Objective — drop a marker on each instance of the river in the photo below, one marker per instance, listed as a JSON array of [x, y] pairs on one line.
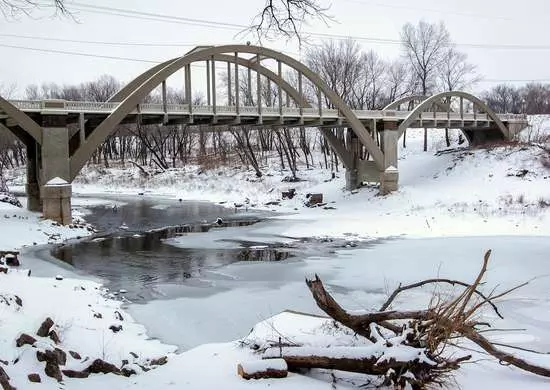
[[203, 283]]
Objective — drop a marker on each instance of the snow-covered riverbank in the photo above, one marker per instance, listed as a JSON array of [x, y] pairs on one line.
[[497, 191]]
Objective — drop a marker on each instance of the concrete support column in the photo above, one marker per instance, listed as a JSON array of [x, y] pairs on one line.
[[389, 178], [55, 176], [389, 145], [57, 201], [55, 148], [352, 172], [33, 186]]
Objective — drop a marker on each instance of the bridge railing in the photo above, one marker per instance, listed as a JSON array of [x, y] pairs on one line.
[[90, 106], [312, 112], [27, 104]]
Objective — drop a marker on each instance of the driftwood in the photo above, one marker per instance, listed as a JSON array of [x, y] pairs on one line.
[[423, 372], [263, 370], [429, 331]]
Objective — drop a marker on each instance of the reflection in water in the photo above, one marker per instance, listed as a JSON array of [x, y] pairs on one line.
[[140, 263], [137, 260], [145, 214]]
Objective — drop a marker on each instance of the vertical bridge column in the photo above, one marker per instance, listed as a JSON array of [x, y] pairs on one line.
[[352, 149], [56, 189], [390, 176], [32, 187]]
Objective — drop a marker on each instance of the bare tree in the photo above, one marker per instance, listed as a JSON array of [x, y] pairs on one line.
[[504, 99], [425, 46], [7, 90], [398, 80], [535, 99], [455, 73], [101, 89], [373, 70], [339, 64], [286, 17], [15, 8]]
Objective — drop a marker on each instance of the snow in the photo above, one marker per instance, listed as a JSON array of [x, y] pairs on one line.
[[455, 205], [71, 303], [57, 181], [21, 228]]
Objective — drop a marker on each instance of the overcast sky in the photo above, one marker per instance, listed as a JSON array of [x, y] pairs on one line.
[[486, 23]]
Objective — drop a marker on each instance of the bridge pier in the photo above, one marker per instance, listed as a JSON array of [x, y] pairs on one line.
[[55, 175], [57, 201], [389, 178], [32, 187], [353, 180], [366, 170]]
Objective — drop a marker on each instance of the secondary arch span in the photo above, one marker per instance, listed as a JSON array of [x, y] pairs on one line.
[[412, 98], [413, 116], [151, 79]]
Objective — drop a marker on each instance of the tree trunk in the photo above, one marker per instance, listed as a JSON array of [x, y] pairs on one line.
[[425, 139]]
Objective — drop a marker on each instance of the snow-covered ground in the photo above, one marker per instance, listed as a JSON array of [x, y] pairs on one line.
[[487, 192], [502, 190], [20, 228]]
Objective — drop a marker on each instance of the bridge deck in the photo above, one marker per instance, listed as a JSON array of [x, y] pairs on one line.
[[285, 116]]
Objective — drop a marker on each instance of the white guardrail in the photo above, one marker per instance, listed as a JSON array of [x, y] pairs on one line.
[[160, 109]]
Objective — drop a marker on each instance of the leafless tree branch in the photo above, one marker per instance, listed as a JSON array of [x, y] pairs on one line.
[[286, 18], [16, 8]]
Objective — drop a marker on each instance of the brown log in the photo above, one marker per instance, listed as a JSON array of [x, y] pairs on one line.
[[264, 373], [423, 372], [366, 365]]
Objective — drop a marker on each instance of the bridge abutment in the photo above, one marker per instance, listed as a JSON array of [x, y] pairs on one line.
[[514, 128], [56, 190]]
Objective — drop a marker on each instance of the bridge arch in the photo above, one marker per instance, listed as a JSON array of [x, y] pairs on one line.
[[333, 141], [406, 99], [412, 98], [22, 119], [427, 103], [133, 94]]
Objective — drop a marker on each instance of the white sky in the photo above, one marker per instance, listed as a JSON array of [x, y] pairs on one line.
[[487, 22]]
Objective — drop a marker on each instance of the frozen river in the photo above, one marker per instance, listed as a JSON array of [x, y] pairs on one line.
[[198, 288]]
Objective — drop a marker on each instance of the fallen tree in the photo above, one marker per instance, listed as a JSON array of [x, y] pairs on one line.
[[407, 347]]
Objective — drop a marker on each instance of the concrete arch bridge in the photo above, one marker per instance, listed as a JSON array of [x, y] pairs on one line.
[[61, 136]]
